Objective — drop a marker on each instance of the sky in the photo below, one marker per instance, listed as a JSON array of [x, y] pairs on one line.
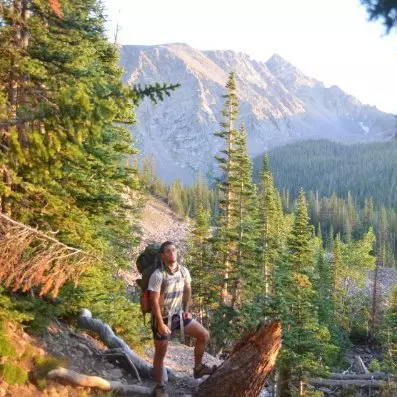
[[329, 40]]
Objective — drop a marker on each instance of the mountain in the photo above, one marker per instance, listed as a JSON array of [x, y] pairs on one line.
[[278, 105]]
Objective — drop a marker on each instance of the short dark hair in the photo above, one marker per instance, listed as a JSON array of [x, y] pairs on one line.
[[165, 245]]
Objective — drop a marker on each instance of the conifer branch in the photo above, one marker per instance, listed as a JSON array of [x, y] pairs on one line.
[[154, 91]]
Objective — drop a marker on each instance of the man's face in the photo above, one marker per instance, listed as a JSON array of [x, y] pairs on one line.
[[169, 254]]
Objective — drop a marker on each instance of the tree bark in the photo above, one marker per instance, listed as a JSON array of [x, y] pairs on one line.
[[244, 373]]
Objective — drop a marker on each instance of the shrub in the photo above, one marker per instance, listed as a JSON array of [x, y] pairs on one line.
[[374, 366], [6, 348], [13, 374]]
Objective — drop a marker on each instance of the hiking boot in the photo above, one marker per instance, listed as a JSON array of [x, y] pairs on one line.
[[203, 369], [159, 391]]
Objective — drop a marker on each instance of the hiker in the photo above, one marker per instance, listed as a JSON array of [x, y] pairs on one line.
[[170, 294]]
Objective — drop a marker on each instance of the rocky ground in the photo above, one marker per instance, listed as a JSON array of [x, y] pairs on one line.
[[84, 354]]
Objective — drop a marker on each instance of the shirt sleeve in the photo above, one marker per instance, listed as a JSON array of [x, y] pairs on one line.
[[155, 282], [188, 277]]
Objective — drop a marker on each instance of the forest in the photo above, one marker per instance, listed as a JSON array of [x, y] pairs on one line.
[[292, 239]]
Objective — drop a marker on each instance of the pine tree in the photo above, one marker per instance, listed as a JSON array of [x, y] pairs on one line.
[[65, 164], [271, 221], [245, 273], [224, 246], [199, 261], [389, 334], [304, 340]]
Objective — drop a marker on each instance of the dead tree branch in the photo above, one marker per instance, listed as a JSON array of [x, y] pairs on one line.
[[30, 258]]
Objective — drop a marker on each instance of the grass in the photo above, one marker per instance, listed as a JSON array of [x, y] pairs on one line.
[[13, 374]]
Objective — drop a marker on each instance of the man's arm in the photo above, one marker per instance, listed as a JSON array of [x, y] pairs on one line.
[[155, 304], [187, 294]]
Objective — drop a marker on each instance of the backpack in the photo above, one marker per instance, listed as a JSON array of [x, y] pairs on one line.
[[147, 263]]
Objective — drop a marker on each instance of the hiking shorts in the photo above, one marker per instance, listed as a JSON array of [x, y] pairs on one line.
[[175, 325]]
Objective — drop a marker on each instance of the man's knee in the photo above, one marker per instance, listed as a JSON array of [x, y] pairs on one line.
[[204, 335], [160, 350]]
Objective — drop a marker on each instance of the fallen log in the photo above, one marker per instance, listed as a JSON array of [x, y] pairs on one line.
[[244, 373], [371, 375], [112, 341], [362, 369], [97, 382], [346, 382]]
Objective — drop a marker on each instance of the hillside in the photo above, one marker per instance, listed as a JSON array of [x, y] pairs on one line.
[[159, 223], [366, 170]]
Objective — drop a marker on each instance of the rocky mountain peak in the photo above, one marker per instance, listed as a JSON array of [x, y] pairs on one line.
[[278, 104]]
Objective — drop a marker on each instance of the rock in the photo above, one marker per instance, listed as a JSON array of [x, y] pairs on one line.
[[114, 374]]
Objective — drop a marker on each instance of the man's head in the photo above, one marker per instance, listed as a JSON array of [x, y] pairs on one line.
[[168, 253]]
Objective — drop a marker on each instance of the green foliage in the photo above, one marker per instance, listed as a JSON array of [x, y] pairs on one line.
[[77, 150], [374, 365], [107, 298], [154, 91], [389, 334], [352, 262], [199, 262], [38, 312], [9, 310], [307, 344], [7, 349], [13, 374]]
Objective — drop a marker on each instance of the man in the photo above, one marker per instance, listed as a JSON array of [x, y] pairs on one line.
[[170, 294]]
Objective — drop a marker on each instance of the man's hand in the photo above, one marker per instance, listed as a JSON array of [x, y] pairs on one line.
[[187, 316], [163, 330]]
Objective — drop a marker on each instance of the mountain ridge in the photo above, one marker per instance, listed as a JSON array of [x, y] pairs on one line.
[[278, 104]]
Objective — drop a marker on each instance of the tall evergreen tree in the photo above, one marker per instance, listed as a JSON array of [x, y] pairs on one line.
[[64, 157], [304, 340], [271, 224], [225, 246], [244, 222], [200, 264]]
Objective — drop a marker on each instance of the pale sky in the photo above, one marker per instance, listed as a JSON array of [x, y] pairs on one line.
[[330, 40]]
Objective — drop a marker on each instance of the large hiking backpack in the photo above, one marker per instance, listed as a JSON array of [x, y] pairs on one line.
[[148, 261]]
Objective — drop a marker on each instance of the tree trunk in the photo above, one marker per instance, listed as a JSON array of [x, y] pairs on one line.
[[362, 369], [244, 373], [284, 382], [22, 94], [347, 382], [98, 382], [375, 303]]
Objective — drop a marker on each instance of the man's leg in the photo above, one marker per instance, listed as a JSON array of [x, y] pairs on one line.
[[196, 330], [160, 349]]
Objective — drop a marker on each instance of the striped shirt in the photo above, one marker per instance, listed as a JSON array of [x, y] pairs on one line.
[[171, 288]]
